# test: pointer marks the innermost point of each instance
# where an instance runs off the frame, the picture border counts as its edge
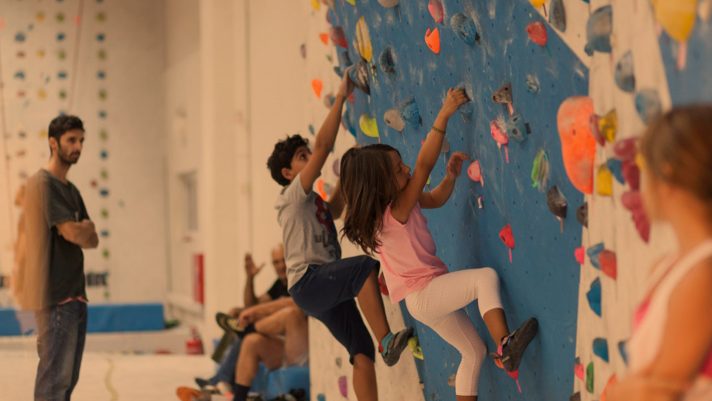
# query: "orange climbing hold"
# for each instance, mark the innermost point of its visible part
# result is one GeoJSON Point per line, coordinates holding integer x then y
{"type": "Point", "coordinates": [432, 39]}
{"type": "Point", "coordinates": [324, 37]}
{"type": "Point", "coordinates": [578, 145]}
{"type": "Point", "coordinates": [317, 86]}
{"type": "Point", "coordinates": [537, 33]}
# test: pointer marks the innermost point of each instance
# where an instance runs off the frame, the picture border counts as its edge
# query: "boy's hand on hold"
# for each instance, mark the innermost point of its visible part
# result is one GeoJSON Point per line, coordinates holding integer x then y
{"type": "Point", "coordinates": [454, 99]}
{"type": "Point", "coordinates": [251, 268]}
{"type": "Point", "coordinates": [454, 165]}
{"type": "Point", "coordinates": [346, 86]}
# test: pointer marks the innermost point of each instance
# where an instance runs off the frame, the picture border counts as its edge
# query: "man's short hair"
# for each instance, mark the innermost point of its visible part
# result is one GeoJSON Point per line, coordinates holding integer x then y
{"type": "Point", "coordinates": [282, 155]}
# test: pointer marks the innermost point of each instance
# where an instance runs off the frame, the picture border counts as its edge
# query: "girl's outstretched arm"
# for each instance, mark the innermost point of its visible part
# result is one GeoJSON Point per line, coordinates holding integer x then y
{"type": "Point", "coordinates": [427, 157]}
{"type": "Point", "coordinates": [438, 196]}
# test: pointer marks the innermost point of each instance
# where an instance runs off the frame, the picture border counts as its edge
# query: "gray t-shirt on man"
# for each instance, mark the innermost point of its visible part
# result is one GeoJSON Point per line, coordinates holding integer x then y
{"type": "Point", "coordinates": [308, 230]}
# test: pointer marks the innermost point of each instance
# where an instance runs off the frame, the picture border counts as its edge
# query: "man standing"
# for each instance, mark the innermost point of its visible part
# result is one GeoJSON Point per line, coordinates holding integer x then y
{"type": "Point", "coordinates": [58, 228]}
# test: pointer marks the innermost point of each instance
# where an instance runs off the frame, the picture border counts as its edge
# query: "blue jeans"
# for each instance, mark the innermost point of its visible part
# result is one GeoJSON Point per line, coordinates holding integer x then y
{"type": "Point", "coordinates": [61, 332]}
{"type": "Point", "coordinates": [226, 370]}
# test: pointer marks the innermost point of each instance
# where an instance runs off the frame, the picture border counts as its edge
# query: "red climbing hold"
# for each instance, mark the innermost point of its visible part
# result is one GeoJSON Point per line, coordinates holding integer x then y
{"type": "Point", "coordinates": [609, 264]}
{"type": "Point", "coordinates": [579, 254]}
{"type": "Point", "coordinates": [499, 135]}
{"type": "Point", "coordinates": [317, 85]}
{"type": "Point", "coordinates": [537, 33]}
{"type": "Point", "coordinates": [475, 172]}
{"type": "Point", "coordinates": [324, 37]}
{"type": "Point", "coordinates": [338, 37]}
{"type": "Point", "coordinates": [507, 237]}
{"type": "Point", "coordinates": [436, 10]}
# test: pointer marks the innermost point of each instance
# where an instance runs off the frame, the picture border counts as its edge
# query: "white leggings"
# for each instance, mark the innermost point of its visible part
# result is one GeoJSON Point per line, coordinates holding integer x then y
{"type": "Point", "coordinates": [439, 306]}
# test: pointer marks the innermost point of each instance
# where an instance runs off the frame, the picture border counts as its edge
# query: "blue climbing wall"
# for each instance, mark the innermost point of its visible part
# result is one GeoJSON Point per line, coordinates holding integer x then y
{"type": "Point", "coordinates": [542, 280]}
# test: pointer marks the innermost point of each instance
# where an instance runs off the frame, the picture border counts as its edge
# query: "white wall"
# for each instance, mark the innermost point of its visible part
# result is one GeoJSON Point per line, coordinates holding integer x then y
{"type": "Point", "coordinates": [133, 213]}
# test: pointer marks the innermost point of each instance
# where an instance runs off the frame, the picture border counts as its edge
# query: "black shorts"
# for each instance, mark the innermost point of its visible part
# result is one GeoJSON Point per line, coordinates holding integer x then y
{"type": "Point", "coordinates": [327, 292]}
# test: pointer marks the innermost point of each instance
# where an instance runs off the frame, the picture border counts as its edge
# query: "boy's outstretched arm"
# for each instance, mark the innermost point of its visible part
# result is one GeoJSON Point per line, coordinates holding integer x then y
{"type": "Point", "coordinates": [326, 136]}
{"type": "Point", "coordinates": [438, 196]}
{"type": "Point", "coordinates": [427, 157]}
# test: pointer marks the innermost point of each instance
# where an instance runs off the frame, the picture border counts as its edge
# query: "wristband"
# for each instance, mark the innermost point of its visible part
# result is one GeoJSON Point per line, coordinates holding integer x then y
{"type": "Point", "coordinates": [436, 129]}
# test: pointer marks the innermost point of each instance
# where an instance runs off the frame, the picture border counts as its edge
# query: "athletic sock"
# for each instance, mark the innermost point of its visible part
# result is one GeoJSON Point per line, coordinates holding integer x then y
{"type": "Point", "coordinates": [240, 392]}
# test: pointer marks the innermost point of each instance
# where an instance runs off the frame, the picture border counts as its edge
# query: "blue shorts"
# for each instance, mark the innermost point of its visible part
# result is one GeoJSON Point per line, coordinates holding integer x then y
{"type": "Point", "coordinates": [327, 293]}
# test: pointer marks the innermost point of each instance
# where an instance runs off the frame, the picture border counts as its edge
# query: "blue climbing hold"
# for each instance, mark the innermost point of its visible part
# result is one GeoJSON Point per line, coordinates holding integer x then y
{"type": "Point", "coordinates": [624, 75]}
{"type": "Point", "coordinates": [616, 167]}
{"type": "Point", "coordinates": [410, 112]}
{"type": "Point", "coordinates": [598, 31]}
{"type": "Point", "coordinates": [648, 105]}
{"type": "Point", "coordinates": [594, 252]}
{"type": "Point", "coordinates": [600, 348]}
{"type": "Point", "coordinates": [20, 75]}
{"type": "Point", "coordinates": [20, 37]}
{"type": "Point", "coordinates": [62, 75]}
{"type": "Point", "coordinates": [594, 297]}
{"type": "Point", "coordinates": [622, 349]}
{"type": "Point", "coordinates": [465, 28]}
{"type": "Point", "coordinates": [312, 131]}
{"type": "Point", "coordinates": [320, 397]}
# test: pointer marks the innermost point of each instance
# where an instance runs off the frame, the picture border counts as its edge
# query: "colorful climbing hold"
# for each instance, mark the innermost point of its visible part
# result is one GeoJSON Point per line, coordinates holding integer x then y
{"type": "Point", "coordinates": [393, 119]}
{"type": "Point", "coordinates": [317, 86]}
{"type": "Point", "coordinates": [594, 253]}
{"type": "Point", "coordinates": [537, 33]}
{"type": "Point", "coordinates": [631, 174]}
{"type": "Point", "coordinates": [435, 7]}
{"type": "Point", "coordinates": [578, 369]}
{"type": "Point", "coordinates": [324, 38]}
{"type": "Point", "coordinates": [343, 383]}
{"type": "Point", "coordinates": [465, 28]}
{"type": "Point", "coordinates": [410, 112]}
{"type": "Point", "coordinates": [609, 265]}
{"type": "Point", "coordinates": [600, 348]}
{"type": "Point", "coordinates": [616, 167]}
{"type": "Point", "coordinates": [579, 255]}
{"type": "Point", "coordinates": [578, 144]}
{"type": "Point", "coordinates": [474, 171]}
{"type": "Point", "coordinates": [388, 3]}
{"type": "Point", "coordinates": [624, 74]}
{"type": "Point", "coordinates": [338, 38]}
{"type": "Point", "coordinates": [359, 76]}
{"type": "Point", "coordinates": [517, 128]}
{"type": "Point", "coordinates": [368, 126]}
{"type": "Point", "coordinates": [648, 105]}
{"type": "Point", "coordinates": [499, 135]}
{"type": "Point", "coordinates": [503, 95]}
{"type": "Point", "coordinates": [604, 181]}
{"type": "Point", "coordinates": [387, 61]}
{"type": "Point", "coordinates": [363, 40]}
{"type": "Point", "coordinates": [432, 40]}
{"type": "Point", "coordinates": [677, 17]}
{"type": "Point", "coordinates": [611, 382]}
{"type": "Point", "coordinates": [598, 31]}
{"type": "Point", "coordinates": [589, 377]}
{"type": "Point", "coordinates": [607, 127]}
{"type": "Point", "coordinates": [632, 201]}
{"type": "Point", "coordinates": [622, 349]}
{"type": "Point", "coordinates": [625, 149]}
{"type": "Point", "coordinates": [557, 15]}
{"type": "Point", "coordinates": [557, 203]}
{"type": "Point", "coordinates": [593, 296]}
{"type": "Point", "coordinates": [533, 85]}
{"type": "Point", "coordinates": [352, 2]}
{"type": "Point", "coordinates": [415, 348]}
{"type": "Point", "coordinates": [507, 237]}
{"type": "Point", "coordinates": [540, 170]}
{"type": "Point", "coordinates": [315, 5]}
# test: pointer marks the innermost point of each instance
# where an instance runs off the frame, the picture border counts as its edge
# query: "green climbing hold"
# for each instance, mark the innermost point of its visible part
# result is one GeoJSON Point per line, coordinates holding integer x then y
{"type": "Point", "coordinates": [589, 377]}
{"type": "Point", "coordinates": [540, 170]}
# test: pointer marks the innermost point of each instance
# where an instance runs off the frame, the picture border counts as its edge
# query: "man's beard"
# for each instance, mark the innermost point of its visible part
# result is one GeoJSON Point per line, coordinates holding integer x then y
{"type": "Point", "coordinates": [67, 159]}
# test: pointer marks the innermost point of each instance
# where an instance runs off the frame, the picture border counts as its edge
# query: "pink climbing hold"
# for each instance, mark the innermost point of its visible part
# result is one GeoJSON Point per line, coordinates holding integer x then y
{"type": "Point", "coordinates": [631, 174]}
{"type": "Point", "coordinates": [507, 237]}
{"type": "Point", "coordinates": [579, 254]}
{"type": "Point", "coordinates": [625, 149]}
{"type": "Point", "coordinates": [475, 172]}
{"type": "Point", "coordinates": [632, 201]}
{"type": "Point", "coordinates": [537, 33]}
{"type": "Point", "coordinates": [500, 136]}
{"type": "Point", "coordinates": [436, 10]}
{"type": "Point", "coordinates": [609, 264]}
{"type": "Point", "coordinates": [578, 371]}
{"type": "Point", "coordinates": [343, 389]}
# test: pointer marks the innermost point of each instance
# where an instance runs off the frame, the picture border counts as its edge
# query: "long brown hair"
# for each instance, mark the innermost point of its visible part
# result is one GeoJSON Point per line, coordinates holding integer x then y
{"type": "Point", "coordinates": [677, 148]}
{"type": "Point", "coordinates": [368, 185]}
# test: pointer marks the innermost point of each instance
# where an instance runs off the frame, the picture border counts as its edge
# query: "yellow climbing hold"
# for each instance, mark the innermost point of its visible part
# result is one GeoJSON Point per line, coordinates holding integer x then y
{"type": "Point", "coordinates": [677, 17]}
{"type": "Point", "coordinates": [604, 181]}
{"type": "Point", "coordinates": [537, 3]}
{"type": "Point", "coordinates": [363, 40]}
{"type": "Point", "coordinates": [315, 5]}
{"type": "Point", "coordinates": [608, 124]}
{"type": "Point", "coordinates": [352, 2]}
{"type": "Point", "coordinates": [415, 348]}
{"type": "Point", "coordinates": [368, 125]}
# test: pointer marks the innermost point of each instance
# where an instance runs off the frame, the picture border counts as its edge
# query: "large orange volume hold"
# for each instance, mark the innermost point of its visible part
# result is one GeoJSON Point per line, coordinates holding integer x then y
{"type": "Point", "coordinates": [578, 145]}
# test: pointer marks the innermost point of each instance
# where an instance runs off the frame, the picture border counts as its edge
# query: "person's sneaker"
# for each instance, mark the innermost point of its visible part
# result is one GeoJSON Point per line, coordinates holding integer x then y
{"type": "Point", "coordinates": [230, 325]}
{"type": "Point", "coordinates": [514, 345]}
{"type": "Point", "coordinates": [202, 383]}
{"type": "Point", "coordinates": [394, 345]}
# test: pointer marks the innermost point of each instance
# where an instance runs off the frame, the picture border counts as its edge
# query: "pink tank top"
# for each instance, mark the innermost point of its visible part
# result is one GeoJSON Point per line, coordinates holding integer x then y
{"type": "Point", "coordinates": [407, 254]}
{"type": "Point", "coordinates": [647, 326]}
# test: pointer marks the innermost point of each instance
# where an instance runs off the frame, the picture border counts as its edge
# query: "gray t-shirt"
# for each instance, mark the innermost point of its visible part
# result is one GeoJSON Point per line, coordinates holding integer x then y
{"type": "Point", "coordinates": [308, 230]}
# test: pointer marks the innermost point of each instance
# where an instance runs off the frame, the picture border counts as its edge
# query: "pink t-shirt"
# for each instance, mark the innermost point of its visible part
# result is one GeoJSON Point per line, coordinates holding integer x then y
{"type": "Point", "coordinates": [407, 254]}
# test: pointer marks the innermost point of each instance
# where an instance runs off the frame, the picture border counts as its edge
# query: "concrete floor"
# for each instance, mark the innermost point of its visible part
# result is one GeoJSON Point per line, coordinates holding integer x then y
{"type": "Point", "coordinates": [108, 376]}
